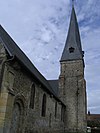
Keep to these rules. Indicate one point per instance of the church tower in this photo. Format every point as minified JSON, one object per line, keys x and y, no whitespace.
{"x":72,"y":85}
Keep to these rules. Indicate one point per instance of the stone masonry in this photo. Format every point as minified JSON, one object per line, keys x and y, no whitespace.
{"x":31,"y":104}
{"x":16,"y":89}
{"x":74,"y":95}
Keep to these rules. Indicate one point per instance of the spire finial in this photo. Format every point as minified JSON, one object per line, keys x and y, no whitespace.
{"x":73,"y":3}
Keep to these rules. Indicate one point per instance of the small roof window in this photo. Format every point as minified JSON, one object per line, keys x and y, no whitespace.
{"x":71,"y":50}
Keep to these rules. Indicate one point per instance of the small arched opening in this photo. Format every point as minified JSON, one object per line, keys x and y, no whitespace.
{"x":43,"y":113}
{"x":32,"y":97}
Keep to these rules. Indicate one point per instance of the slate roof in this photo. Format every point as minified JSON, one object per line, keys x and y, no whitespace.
{"x":55,"y":85}
{"x":13,"y":50}
{"x":73,"y":41}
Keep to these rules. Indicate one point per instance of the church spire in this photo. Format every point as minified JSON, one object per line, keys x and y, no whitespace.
{"x":73,"y":49}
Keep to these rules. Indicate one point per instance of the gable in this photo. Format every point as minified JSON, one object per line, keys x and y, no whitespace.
{"x":14,"y":51}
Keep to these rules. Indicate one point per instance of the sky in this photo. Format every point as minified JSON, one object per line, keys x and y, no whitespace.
{"x":40,"y":27}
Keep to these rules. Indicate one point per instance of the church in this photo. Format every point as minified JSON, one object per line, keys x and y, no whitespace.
{"x":29,"y":103}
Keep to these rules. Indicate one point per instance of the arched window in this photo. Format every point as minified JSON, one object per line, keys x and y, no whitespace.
{"x":32,"y":97}
{"x":62,"y":113}
{"x":43,"y":113}
{"x":55,"y":109}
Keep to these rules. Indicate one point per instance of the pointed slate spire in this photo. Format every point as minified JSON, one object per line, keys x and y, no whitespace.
{"x":73,"y":49}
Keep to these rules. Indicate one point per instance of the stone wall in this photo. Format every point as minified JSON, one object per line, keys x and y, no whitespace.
{"x":73,"y":93}
{"x":3,"y":93}
{"x":15,"y":112}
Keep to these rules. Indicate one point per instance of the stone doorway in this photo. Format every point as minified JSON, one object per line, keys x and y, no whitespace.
{"x":17,"y":117}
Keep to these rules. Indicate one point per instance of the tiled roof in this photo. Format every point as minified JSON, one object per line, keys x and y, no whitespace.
{"x":93,"y":117}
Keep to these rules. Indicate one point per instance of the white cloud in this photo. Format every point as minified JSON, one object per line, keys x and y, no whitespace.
{"x":40,"y":29}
